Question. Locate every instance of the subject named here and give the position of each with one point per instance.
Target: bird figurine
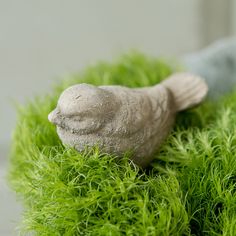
(118, 119)
(217, 64)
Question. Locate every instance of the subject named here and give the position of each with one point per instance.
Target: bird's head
(83, 108)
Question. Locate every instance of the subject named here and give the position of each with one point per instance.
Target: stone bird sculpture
(217, 64)
(120, 119)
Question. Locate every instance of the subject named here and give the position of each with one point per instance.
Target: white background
(42, 41)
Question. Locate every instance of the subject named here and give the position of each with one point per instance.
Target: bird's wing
(138, 109)
(162, 105)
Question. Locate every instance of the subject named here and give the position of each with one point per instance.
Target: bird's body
(120, 119)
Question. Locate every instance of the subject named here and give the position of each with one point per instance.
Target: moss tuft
(188, 190)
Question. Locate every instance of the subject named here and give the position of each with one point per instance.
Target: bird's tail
(188, 90)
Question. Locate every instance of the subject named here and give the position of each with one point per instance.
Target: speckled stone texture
(120, 119)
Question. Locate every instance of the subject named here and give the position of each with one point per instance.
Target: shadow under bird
(120, 119)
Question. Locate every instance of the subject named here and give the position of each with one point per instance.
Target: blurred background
(42, 41)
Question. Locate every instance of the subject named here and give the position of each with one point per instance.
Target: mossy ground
(190, 188)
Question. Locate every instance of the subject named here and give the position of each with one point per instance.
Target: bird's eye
(77, 97)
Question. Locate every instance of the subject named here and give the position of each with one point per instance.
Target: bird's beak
(53, 116)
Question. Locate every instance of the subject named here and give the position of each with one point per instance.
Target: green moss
(188, 190)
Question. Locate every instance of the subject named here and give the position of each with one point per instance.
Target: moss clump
(188, 190)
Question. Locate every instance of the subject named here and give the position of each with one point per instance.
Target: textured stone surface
(120, 119)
